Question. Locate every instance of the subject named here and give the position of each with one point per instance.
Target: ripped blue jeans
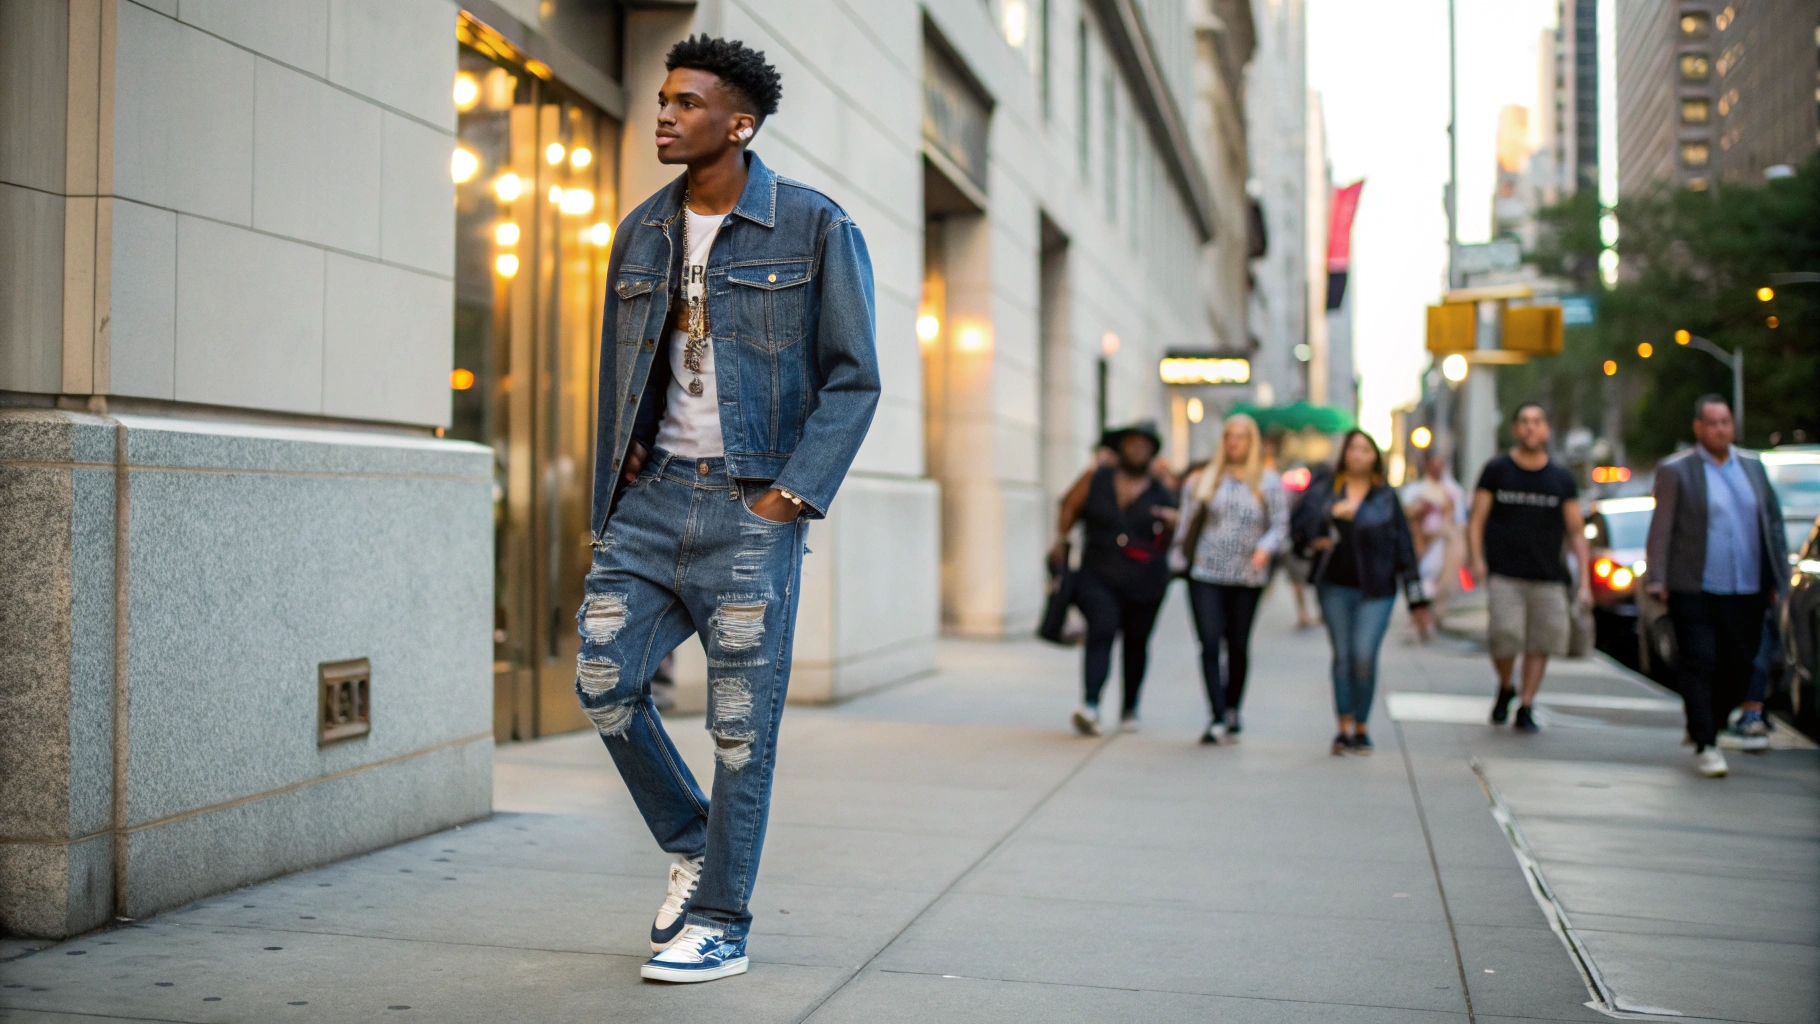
(684, 554)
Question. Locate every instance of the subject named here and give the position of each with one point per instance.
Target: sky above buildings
(1381, 70)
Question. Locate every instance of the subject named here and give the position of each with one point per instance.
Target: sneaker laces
(685, 874)
(692, 945)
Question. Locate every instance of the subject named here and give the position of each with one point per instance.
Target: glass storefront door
(535, 209)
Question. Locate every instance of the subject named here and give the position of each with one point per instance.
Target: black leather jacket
(1386, 551)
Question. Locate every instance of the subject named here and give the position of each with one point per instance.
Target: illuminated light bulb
(1765, 294)
(554, 153)
(1421, 437)
(463, 165)
(971, 339)
(1683, 337)
(1016, 23)
(576, 201)
(1611, 367)
(506, 233)
(555, 195)
(1196, 411)
(1773, 322)
(506, 264)
(461, 379)
(500, 87)
(928, 328)
(580, 157)
(1454, 367)
(467, 91)
(1109, 343)
(1620, 578)
(1646, 350)
(509, 187)
(601, 234)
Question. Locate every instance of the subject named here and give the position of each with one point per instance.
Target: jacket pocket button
(631, 399)
(650, 343)
(772, 279)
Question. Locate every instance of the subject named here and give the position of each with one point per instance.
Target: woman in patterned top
(1238, 517)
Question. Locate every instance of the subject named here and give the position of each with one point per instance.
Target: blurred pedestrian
(1353, 526)
(1288, 559)
(1523, 509)
(1130, 517)
(1717, 556)
(1238, 517)
(1436, 506)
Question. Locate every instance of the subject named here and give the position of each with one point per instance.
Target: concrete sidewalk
(947, 851)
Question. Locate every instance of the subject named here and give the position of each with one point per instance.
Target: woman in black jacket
(1353, 526)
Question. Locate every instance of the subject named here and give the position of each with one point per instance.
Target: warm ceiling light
(461, 379)
(928, 327)
(1454, 367)
(506, 264)
(463, 165)
(506, 233)
(467, 91)
(1765, 294)
(509, 187)
(971, 339)
(500, 89)
(554, 153)
(1196, 411)
(576, 201)
(1611, 368)
(581, 157)
(1646, 350)
(1421, 437)
(601, 234)
(555, 195)
(1109, 343)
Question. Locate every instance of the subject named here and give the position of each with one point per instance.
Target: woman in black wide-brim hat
(1130, 516)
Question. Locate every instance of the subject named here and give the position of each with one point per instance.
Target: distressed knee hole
(732, 701)
(734, 750)
(602, 617)
(739, 627)
(594, 677)
(612, 720)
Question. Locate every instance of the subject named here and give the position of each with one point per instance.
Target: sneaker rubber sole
(685, 976)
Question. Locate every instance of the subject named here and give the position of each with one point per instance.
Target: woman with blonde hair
(1238, 517)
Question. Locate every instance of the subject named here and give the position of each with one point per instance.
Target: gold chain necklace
(695, 288)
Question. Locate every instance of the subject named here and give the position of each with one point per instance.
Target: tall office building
(1712, 92)
(299, 320)
(1276, 104)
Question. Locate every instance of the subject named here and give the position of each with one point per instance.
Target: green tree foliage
(1690, 261)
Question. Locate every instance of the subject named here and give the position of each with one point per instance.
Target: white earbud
(745, 133)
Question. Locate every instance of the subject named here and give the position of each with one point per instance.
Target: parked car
(1800, 626)
(1617, 532)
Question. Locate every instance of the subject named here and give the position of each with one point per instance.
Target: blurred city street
(945, 850)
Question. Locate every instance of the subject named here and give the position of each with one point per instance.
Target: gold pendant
(695, 387)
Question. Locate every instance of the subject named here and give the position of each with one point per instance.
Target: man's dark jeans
(1717, 637)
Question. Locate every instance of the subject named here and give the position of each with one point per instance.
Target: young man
(737, 379)
(1718, 556)
(1525, 505)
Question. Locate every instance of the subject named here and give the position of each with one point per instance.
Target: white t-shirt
(691, 424)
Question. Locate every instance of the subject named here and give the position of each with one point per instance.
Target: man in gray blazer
(1718, 556)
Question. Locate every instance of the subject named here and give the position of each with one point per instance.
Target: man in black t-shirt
(1525, 506)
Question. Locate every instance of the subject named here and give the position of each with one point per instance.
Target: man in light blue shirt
(1716, 558)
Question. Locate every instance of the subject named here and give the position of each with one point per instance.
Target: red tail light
(1297, 479)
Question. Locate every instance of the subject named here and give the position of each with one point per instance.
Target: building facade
(1277, 105)
(299, 316)
(1712, 92)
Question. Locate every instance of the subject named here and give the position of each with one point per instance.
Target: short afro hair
(736, 64)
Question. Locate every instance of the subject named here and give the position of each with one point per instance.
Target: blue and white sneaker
(685, 874)
(699, 953)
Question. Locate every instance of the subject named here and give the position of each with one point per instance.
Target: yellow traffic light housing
(1451, 327)
(1533, 329)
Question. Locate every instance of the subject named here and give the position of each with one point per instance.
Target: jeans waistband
(697, 472)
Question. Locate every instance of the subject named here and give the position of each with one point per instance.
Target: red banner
(1339, 226)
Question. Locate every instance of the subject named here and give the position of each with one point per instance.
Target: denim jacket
(1386, 550)
(790, 311)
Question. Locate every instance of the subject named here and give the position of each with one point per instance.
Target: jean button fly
(702, 468)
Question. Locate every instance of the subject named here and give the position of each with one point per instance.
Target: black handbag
(1062, 580)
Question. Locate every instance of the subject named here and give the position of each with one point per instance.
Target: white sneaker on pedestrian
(1087, 720)
(1129, 723)
(1711, 763)
(685, 874)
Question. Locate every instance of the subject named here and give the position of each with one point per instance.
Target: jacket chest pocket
(768, 304)
(635, 297)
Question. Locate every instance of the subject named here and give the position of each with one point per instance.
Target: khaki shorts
(1527, 617)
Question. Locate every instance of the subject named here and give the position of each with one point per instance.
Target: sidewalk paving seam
(1066, 778)
(1202, 908)
(73, 1015)
(1434, 863)
(1169, 992)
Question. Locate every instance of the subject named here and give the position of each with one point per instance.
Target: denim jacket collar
(757, 202)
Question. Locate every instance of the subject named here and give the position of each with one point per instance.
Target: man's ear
(744, 127)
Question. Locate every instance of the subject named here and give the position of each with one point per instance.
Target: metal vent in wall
(344, 709)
